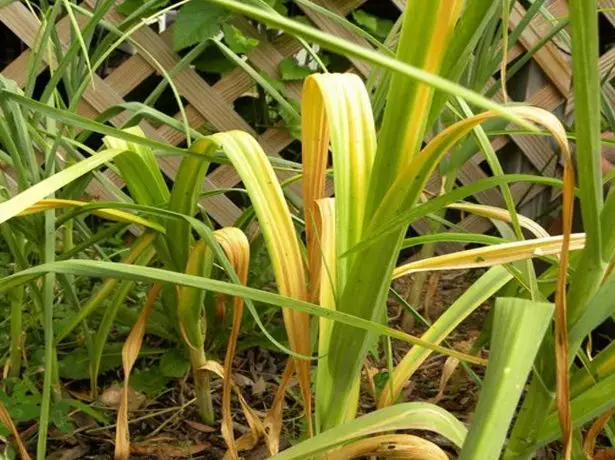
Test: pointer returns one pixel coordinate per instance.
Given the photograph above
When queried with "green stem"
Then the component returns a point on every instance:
(591, 267)
(48, 331)
(202, 389)
(51, 380)
(16, 295)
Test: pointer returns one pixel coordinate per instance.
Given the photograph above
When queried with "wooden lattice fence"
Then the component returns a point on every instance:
(548, 88)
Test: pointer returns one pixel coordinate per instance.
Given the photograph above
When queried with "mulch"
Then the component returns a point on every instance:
(169, 428)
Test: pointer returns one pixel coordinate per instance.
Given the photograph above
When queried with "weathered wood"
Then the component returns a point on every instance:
(20, 20)
(610, 15)
(548, 57)
(607, 61)
(334, 28)
(19, 68)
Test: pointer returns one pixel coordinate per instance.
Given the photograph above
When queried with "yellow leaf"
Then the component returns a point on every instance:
(278, 229)
(399, 446)
(496, 254)
(493, 212)
(106, 213)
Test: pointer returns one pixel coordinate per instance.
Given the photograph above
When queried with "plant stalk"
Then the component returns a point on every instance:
(16, 295)
(202, 388)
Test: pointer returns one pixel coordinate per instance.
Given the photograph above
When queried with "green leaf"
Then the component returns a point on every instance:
(456, 194)
(24, 402)
(599, 308)
(373, 24)
(519, 325)
(212, 60)
(587, 406)
(101, 337)
(72, 119)
(291, 70)
(586, 86)
(128, 7)
(292, 121)
(414, 415)
(590, 269)
(148, 381)
(237, 41)
(275, 84)
(174, 363)
(139, 169)
(190, 301)
(23, 412)
(278, 5)
(76, 365)
(184, 200)
(60, 416)
(32, 195)
(197, 21)
(599, 368)
(97, 415)
(140, 273)
(482, 290)
(479, 14)
(446, 237)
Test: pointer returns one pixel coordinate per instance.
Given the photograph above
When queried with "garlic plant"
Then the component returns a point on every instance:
(352, 246)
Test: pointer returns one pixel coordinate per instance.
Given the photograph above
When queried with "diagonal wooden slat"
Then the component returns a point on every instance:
(24, 25)
(18, 69)
(610, 15)
(607, 63)
(190, 85)
(334, 28)
(548, 57)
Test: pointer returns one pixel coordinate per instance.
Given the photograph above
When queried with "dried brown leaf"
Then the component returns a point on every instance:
(257, 430)
(164, 450)
(430, 294)
(604, 454)
(562, 387)
(237, 249)
(450, 365)
(200, 426)
(7, 421)
(259, 387)
(73, 453)
(130, 353)
(112, 398)
(273, 420)
(589, 445)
